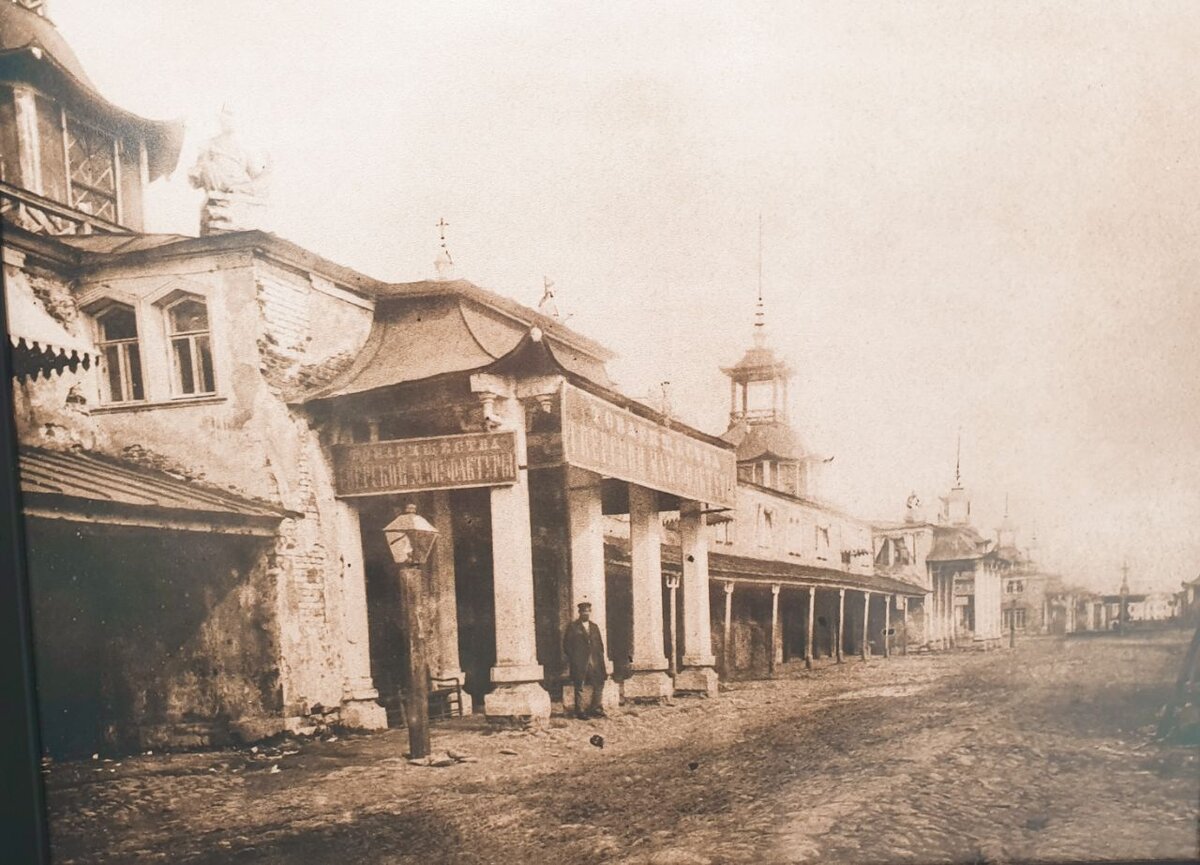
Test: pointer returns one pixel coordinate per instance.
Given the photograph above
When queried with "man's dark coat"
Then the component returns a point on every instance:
(582, 643)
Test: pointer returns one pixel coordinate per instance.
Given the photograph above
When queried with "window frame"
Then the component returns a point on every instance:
(66, 121)
(192, 339)
(125, 346)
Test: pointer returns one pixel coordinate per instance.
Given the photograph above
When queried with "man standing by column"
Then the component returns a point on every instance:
(584, 648)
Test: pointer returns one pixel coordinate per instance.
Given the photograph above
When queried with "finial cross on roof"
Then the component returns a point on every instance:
(442, 225)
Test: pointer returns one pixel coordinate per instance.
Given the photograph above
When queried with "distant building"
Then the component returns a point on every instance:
(792, 577)
(959, 568)
(1187, 601)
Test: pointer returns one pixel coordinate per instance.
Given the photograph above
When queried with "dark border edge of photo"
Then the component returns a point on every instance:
(24, 834)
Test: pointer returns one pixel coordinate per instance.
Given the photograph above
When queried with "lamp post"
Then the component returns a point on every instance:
(410, 537)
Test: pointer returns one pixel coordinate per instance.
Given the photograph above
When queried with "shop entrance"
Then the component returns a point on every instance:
(471, 515)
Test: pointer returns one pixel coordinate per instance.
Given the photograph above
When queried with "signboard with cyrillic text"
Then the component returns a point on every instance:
(614, 442)
(433, 463)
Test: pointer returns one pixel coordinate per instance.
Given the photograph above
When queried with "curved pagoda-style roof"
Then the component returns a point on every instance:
(32, 51)
(426, 329)
(775, 440)
(957, 543)
(759, 362)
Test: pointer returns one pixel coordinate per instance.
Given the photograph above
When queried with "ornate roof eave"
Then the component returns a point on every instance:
(767, 370)
(164, 138)
(517, 312)
(531, 356)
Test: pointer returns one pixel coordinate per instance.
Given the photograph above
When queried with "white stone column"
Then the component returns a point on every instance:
(951, 613)
(776, 648)
(841, 624)
(727, 634)
(518, 695)
(866, 633)
(359, 708)
(585, 523)
(649, 679)
(698, 674)
(808, 636)
(444, 661)
(888, 600)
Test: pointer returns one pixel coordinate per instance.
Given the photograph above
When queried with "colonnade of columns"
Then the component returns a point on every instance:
(517, 677)
(941, 617)
(849, 633)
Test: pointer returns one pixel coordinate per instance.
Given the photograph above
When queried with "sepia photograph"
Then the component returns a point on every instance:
(676, 433)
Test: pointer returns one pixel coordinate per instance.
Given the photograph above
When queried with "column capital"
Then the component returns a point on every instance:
(539, 387)
(728, 586)
(672, 580)
(494, 385)
(775, 587)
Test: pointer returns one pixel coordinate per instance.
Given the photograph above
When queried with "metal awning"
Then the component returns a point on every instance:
(93, 488)
(41, 345)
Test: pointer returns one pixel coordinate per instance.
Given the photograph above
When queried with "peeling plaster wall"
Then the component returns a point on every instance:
(45, 411)
(274, 329)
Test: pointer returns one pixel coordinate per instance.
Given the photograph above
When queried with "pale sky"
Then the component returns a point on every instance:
(976, 215)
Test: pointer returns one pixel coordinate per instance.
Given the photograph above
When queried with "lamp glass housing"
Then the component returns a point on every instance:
(410, 537)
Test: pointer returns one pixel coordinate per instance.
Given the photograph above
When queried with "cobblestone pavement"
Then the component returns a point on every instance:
(1042, 753)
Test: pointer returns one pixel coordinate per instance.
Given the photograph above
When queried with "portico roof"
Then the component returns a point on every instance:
(426, 329)
(95, 488)
(957, 543)
(723, 566)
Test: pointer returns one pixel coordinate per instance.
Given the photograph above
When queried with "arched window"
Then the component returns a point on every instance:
(191, 348)
(118, 344)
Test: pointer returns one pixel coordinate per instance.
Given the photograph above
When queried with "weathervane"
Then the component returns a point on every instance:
(760, 319)
(958, 462)
(442, 225)
(444, 264)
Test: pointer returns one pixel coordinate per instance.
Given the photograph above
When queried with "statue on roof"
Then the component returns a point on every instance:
(234, 178)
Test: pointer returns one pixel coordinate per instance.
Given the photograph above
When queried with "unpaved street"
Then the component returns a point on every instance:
(1042, 753)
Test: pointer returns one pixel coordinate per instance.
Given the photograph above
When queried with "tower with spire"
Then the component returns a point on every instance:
(769, 452)
(957, 510)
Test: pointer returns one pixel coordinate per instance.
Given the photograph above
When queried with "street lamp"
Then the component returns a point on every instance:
(410, 537)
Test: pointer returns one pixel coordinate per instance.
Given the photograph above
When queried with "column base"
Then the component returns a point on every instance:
(522, 705)
(514, 674)
(610, 699)
(363, 715)
(647, 686)
(698, 680)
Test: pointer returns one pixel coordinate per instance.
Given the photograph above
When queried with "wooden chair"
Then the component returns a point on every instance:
(445, 698)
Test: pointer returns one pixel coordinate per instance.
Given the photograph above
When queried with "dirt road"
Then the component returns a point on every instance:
(1041, 753)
